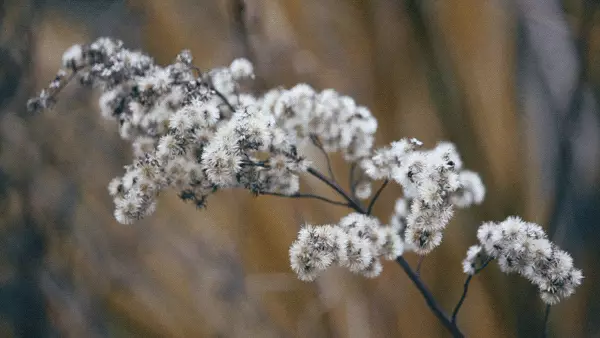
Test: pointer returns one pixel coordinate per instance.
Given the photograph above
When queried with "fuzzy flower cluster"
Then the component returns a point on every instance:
(340, 123)
(198, 132)
(357, 242)
(524, 248)
(433, 183)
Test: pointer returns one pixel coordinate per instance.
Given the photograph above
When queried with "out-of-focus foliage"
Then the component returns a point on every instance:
(498, 78)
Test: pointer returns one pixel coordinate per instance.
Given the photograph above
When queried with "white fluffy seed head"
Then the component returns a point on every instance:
(423, 241)
(523, 247)
(363, 190)
(241, 68)
(470, 261)
(358, 254)
(390, 243)
(73, 57)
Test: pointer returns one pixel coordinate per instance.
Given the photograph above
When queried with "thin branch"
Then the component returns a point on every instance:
(429, 299)
(351, 179)
(317, 142)
(352, 203)
(372, 204)
(47, 97)
(431, 302)
(222, 97)
(487, 261)
(462, 298)
(466, 289)
(546, 317)
(301, 195)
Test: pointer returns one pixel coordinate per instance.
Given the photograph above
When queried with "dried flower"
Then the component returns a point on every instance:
(523, 248)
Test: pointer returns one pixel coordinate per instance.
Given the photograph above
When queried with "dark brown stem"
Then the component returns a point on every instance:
(431, 302)
(335, 186)
(462, 298)
(351, 179)
(414, 277)
(466, 289)
(301, 195)
(317, 142)
(372, 204)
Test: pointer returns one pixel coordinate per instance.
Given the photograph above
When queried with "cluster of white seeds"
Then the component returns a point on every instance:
(433, 183)
(357, 242)
(339, 122)
(524, 248)
(191, 131)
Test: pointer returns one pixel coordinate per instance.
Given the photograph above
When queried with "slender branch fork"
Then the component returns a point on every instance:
(435, 307)
(372, 204)
(466, 289)
(317, 142)
(300, 195)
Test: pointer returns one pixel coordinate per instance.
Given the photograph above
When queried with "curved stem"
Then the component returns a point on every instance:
(466, 289)
(351, 179)
(414, 277)
(385, 183)
(431, 302)
(462, 298)
(300, 195)
(352, 203)
(317, 142)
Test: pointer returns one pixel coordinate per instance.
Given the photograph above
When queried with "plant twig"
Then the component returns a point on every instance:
(372, 204)
(317, 142)
(335, 186)
(431, 302)
(414, 277)
(466, 289)
(462, 298)
(351, 178)
(302, 195)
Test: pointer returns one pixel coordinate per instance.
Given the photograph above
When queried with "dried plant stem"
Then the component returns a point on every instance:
(317, 142)
(372, 204)
(302, 195)
(429, 299)
(466, 289)
(462, 298)
(354, 204)
(433, 305)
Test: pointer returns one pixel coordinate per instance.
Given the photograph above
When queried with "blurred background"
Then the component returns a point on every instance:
(513, 83)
